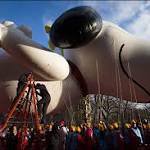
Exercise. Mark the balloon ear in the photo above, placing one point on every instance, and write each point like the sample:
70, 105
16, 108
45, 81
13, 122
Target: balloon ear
47, 28
76, 27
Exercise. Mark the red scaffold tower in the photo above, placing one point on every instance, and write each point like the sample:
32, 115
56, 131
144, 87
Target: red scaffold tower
21, 108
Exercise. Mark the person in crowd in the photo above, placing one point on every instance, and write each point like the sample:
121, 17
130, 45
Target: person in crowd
72, 139
88, 140
102, 129
3, 140
137, 131
11, 139
31, 137
63, 131
80, 140
53, 138
134, 136
118, 140
83, 128
126, 132
147, 136
38, 143
140, 127
109, 137
96, 135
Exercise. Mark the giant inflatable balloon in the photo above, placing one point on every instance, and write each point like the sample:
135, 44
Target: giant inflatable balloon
111, 60
99, 57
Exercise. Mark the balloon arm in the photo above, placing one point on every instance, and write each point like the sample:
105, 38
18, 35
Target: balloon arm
34, 56
6, 29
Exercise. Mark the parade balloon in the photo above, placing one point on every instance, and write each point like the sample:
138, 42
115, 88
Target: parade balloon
99, 57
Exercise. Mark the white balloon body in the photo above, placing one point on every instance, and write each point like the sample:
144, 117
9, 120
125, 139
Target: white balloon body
98, 62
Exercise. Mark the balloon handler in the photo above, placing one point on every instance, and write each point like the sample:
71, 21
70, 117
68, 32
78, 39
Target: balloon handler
22, 81
43, 103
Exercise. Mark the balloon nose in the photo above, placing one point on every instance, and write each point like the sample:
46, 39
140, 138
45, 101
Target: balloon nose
76, 27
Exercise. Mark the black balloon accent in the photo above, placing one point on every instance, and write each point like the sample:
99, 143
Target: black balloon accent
76, 27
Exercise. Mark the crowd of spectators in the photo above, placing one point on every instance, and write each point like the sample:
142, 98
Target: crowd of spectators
86, 136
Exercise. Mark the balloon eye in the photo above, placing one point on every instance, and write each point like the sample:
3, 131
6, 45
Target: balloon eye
76, 27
